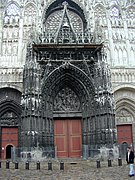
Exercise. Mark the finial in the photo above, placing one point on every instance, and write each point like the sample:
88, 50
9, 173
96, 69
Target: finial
65, 4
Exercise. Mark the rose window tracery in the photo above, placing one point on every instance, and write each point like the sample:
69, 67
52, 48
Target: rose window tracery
53, 21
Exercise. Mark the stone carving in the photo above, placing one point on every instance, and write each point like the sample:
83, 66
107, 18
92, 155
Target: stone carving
66, 100
9, 119
123, 116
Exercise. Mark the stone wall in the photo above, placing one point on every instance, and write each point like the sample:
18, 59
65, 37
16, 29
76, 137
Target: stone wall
115, 20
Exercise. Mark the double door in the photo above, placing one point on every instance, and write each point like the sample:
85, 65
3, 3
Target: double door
68, 138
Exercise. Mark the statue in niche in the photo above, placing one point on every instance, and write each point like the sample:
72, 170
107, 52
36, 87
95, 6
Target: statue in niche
66, 100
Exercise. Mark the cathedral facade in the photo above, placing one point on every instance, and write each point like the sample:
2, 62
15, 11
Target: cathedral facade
67, 80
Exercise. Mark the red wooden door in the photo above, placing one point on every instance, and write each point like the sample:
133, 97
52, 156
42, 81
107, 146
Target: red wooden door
68, 138
124, 134
9, 137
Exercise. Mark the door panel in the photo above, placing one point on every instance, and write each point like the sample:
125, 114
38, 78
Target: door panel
60, 131
124, 134
9, 137
68, 137
74, 127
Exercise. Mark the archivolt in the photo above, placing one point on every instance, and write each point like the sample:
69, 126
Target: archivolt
10, 105
68, 75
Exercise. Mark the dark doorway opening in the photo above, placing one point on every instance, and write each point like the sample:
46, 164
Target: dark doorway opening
8, 151
123, 149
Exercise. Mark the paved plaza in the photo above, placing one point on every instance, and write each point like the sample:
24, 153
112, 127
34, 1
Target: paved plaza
73, 170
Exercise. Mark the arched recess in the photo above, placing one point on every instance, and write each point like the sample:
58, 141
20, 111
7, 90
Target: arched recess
12, 13
30, 12
125, 124
124, 98
57, 5
81, 86
9, 151
125, 116
130, 15
125, 110
100, 14
10, 118
124, 86
68, 76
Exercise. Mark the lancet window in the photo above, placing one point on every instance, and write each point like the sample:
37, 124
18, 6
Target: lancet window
12, 14
115, 15
130, 15
30, 15
100, 14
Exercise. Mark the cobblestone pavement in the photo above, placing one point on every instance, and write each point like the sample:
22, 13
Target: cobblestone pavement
73, 170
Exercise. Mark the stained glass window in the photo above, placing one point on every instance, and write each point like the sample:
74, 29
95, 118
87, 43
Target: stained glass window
115, 12
13, 10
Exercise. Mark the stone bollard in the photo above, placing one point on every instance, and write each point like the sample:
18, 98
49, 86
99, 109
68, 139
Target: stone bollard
38, 165
109, 163
7, 164
119, 162
49, 165
27, 165
98, 163
16, 165
61, 165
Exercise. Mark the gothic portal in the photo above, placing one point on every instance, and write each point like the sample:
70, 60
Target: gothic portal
67, 100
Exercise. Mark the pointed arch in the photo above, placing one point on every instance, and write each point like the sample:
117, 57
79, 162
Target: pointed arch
99, 10
130, 15
130, 12
72, 6
124, 114
10, 107
125, 103
66, 75
115, 15
12, 13
30, 12
100, 14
